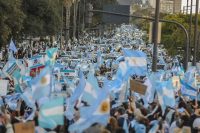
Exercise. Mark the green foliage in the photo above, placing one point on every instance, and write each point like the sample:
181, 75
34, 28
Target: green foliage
173, 36
43, 17
29, 17
11, 20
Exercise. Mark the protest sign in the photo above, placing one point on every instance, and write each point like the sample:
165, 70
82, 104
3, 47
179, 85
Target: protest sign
68, 72
3, 87
138, 87
28, 127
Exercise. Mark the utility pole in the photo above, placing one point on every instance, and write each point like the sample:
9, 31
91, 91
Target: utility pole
190, 29
187, 7
196, 33
155, 36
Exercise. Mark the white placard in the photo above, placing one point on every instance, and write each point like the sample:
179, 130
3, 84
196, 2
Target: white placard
3, 87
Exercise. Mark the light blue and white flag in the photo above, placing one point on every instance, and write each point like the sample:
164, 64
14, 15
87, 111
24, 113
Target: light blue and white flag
51, 55
123, 72
188, 90
27, 96
11, 100
98, 112
41, 84
91, 89
12, 46
166, 94
149, 95
52, 113
79, 89
155, 126
125, 126
137, 62
189, 76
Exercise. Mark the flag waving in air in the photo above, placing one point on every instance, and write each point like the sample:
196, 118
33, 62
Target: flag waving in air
12, 46
52, 113
41, 84
137, 62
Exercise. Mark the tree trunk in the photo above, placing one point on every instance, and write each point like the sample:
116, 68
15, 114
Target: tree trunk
75, 16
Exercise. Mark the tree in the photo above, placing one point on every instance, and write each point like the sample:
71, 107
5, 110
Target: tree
11, 20
43, 17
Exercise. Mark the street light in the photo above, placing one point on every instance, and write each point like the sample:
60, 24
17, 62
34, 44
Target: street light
160, 20
196, 33
155, 36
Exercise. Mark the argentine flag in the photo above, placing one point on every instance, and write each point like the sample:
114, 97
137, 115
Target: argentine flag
52, 113
166, 96
98, 112
188, 90
12, 46
41, 84
91, 89
137, 62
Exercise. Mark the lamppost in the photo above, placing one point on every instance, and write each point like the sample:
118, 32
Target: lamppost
155, 36
196, 33
160, 20
190, 28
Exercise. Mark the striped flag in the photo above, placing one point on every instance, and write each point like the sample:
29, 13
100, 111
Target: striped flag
52, 113
137, 62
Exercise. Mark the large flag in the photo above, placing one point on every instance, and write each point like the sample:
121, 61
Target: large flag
79, 89
188, 90
137, 62
189, 76
98, 112
149, 95
123, 72
12, 46
52, 113
28, 98
91, 89
166, 94
41, 85
11, 100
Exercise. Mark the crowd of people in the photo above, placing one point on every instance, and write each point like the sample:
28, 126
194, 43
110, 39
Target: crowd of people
168, 111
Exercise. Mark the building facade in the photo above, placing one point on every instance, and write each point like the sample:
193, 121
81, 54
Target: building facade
168, 6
